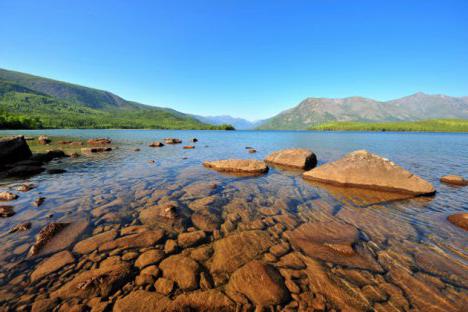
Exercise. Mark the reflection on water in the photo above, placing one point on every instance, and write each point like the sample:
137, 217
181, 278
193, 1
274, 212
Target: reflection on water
359, 250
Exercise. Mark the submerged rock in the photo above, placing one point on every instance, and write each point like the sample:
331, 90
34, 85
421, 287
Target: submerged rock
45, 235
92, 243
295, 158
100, 141
454, 180
91, 150
100, 282
204, 300
190, 239
245, 166
182, 270
52, 264
140, 240
13, 149
460, 220
259, 282
142, 300
366, 170
6, 211
20, 227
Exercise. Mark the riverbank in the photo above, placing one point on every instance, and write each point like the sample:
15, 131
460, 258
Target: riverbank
432, 125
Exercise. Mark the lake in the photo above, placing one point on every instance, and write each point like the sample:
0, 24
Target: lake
408, 256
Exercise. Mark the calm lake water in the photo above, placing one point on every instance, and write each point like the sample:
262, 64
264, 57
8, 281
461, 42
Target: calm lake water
428, 255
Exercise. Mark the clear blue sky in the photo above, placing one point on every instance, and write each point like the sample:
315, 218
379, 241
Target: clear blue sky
244, 58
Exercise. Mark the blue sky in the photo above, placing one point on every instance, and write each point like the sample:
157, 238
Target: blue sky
244, 58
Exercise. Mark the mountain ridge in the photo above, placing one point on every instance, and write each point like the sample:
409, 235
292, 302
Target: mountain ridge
313, 111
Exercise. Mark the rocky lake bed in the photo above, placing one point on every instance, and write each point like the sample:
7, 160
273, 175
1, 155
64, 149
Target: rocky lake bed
135, 220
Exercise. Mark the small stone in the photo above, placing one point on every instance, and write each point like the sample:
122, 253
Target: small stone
25, 187
39, 201
164, 286
171, 246
454, 180
20, 227
151, 256
6, 211
191, 239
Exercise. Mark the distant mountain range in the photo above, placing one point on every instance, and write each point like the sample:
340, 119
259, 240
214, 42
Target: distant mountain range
238, 123
28, 101
419, 106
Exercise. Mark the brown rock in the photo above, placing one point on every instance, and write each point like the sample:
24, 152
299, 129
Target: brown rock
156, 144
52, 264
99, 141
100, 282
44, 305
206, 221
259, 282
170, 246
366, 170
92, 150
6, 211
189, 147
295, 158
144, 239
204, 301
244, 166
92, 243
58, 236
13, 149
454, 180
26, 187
332, 241
151, 256
460, 220
163, 216
6, 196
45, 235
172, 141
39, 201
237, 249
164, 286
43, 139
20, 227
183, 270
191, 238
141, 301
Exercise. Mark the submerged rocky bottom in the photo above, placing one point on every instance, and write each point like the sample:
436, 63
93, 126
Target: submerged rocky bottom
183, 238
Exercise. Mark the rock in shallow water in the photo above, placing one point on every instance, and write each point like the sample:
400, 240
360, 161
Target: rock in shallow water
13, 149
366, 170
7, 196
182, 270
460, 220
259, 282
454, 180
245, 166
140, 301
140, 240
294, 158
52, 264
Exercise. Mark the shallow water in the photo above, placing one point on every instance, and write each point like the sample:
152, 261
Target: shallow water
419, 254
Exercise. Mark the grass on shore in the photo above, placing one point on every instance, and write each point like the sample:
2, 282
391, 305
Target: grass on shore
431, 125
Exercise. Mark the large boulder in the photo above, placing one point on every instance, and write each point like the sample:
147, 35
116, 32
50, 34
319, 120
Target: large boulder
366, 170
259, 282
244, 166
13, 149
182, 270
294, 158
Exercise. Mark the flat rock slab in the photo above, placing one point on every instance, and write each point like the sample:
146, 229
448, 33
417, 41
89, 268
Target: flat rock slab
100, 282
294, 158
259, 282
334, 242
237, 249
244, 166
92, 243
460, 220
140, 240
52, 264
141, 300
204, 300
454, 180
366, 170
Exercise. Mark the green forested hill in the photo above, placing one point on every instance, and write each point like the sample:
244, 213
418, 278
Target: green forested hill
28, 101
